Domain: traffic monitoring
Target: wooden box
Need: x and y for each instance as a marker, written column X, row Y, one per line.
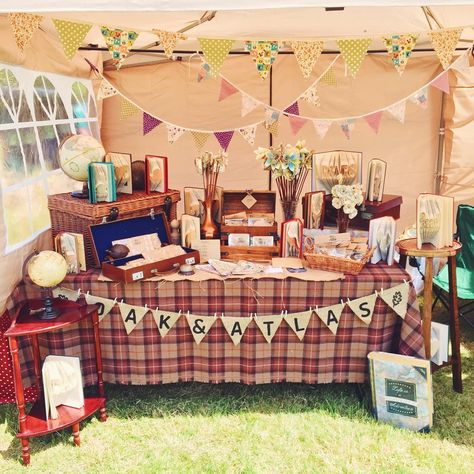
column 232, row 204
column 104, row 234
column 69, row 214
column 389, row 206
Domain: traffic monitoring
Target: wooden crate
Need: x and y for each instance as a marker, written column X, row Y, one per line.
column 69, row 214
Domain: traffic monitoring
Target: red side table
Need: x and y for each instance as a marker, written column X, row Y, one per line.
column 26, row 323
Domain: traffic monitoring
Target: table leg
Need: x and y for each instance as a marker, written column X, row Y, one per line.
column 98, row 364
column 403, row 261
column 454, row 326
column 37, row 363
column 25, row 448
column 75, row 434
column 427, row 300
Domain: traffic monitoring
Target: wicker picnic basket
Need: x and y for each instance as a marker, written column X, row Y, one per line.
column 337, row 264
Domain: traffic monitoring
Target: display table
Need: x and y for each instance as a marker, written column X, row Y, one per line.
column 143, row 357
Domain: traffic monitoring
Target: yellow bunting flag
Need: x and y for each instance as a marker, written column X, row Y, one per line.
column 307, row 54
column 24, row 26
column 444, row 43
column 399, row 48
column 199, row 325
column 263, row 54
column 329, row 78
column 200, row 138
column 273, row 128
column 215, row 51
column 168, row 40
column 119, row 43
column 354, row 51
column 127, row 109
column 71, row 35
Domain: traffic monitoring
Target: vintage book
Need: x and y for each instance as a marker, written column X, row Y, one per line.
column 123, row 171
column 376, row 179
column 439, row 343
column 382, row 236
column 434, row 220
column 102, row 183
column 402, row 391
column 313, row 210
column 71, row 246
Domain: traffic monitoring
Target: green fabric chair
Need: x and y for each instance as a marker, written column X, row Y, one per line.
column 464, row 264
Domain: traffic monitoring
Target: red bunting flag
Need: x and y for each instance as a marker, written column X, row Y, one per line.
column 374, row 120
column 296, row 123
column 442, row 82
column 227, row 89
column 224, row 138
column 149, row 123
column 293, row 109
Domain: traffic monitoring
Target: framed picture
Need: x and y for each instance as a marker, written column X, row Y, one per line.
column 156, row 174
column 239, row 240
column 190, row 230
column 262, row 241
column 333, row 166
column 376, row 172
column 123, row 171
column 193, row 198
column 292, row 238
column 313, row 210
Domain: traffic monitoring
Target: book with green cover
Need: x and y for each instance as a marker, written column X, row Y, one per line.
column 402, row 391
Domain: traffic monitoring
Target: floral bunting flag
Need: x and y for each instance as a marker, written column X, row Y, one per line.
column 296, row 123
column 263, row 54
column 444, row 43
column 420, row 97
column 442, row 82
column 66, row 293
column 235, row 327
column 131, row 315
column 322, row 126
column 105, row 305
column 298, row 322
column 149, row 123
column 398, row 111
column 354, row 51
column 165, row 320
column 311, row 95
column 461, row 63
column 329, row 77
column 200, row 138
column 215, row 51
column 199, row 325
column 330, row 316
column 268, row 325
column 399, row 48
column 174, row 132
column 24, row 26
column 363, row 307
column 397, row 298
column 248, row 104
column 224, row 138
column 293, row 109
column 71, row 35
column 374, row 120
column 227, row 89
column 347, row 127
column 271, row 115
column 203, row 72
column 307, row 54
column 168, row 40
column 249, row 133
column 119, row 43
column 127, row 109
column 106, row 90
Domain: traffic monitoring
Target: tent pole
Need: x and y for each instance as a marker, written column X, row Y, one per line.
column 270, row 102
column 440, row 160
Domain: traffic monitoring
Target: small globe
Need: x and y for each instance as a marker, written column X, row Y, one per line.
column 75, row 154
column 47, row 269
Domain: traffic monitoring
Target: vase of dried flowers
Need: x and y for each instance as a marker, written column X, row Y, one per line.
column 345, row 198
column 289, row 166
column 209, row 165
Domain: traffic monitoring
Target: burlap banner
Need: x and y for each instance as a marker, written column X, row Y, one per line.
column 363, row 307
column 331, row 315
column 131, row 315
column 397, row 298
column 200, row 325
column 298, row 322
column 268, row 325
column 235, row 326
column 105, row 305
column 66, row 294
column 165, row 320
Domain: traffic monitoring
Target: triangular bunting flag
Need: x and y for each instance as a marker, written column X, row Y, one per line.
column 263, row 54
column 399, row 48
column 461, row 63
column 215, row 51
column 374, row 120
column 165, row 320
column 271, row 116
column 330, row 316
column 131, row 315
column 248, row 104
column 227, row 89
column 235, row 327
column 174, row 132
column 119, row 43
column 149, row 123
column 307, row 54
column 66, row 294
column 249, row 133
column 71, row 35
column 273, row 128
column 420, row 98
column 322, row 126
column 296, row 123
column 127, row 109
column 203, row 72
column 347, row 127
column 298, row 322
column 444, row 43
column 398, row 111
column 105, row 305
column 224, row 138
column 311, row 95
column 106, row 90
column 24, row 26
column 363, row 307
column 268, row 325
column 397, row 298
column 199, row 325
column 329, row 77
column 168, row 40
column 442, row 82
column 353, row 51
column 200, row 138
column 293, row 109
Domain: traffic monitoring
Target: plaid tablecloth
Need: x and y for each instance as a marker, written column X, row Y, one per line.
column 143, row 357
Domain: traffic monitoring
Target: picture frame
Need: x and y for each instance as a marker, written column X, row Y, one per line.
column 262, row 241
column 122, row 170
column 328, row 166
column 156, row 174
column 193, row 199
column 291, row 244
column 376, row 174
column 239, row 240
column 314, row 205
column 190, row 230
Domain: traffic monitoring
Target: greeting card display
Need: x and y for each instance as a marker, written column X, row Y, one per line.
column 376, row 179
column 102, row 183
column 123, row 171
column 292, row 238
column 156, row 174
column 313, row 210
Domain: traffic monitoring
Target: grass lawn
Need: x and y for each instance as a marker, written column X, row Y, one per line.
column 234, row 428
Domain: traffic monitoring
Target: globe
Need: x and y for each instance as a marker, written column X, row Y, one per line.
column 47, row 268
column 75, row 154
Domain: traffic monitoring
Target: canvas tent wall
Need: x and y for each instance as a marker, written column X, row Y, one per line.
column 170, row 90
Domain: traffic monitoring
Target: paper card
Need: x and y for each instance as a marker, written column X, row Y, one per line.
column 207, row 249
column 333, row 239
column 249, row 201
column 287, row 262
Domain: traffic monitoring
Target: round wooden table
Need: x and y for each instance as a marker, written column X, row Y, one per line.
column 408, row 248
